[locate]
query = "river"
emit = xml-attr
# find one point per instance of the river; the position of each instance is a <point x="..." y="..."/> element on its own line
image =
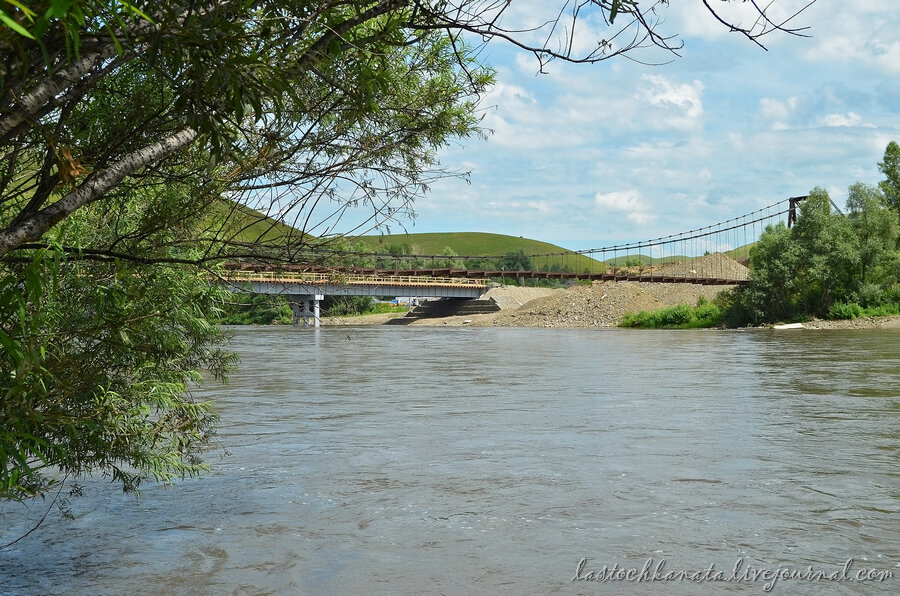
<point x="399" y="460"/>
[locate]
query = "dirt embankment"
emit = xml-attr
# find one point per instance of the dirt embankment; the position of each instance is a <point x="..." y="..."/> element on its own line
<point x="602" y="304"/>
<point x="605" y="304"/>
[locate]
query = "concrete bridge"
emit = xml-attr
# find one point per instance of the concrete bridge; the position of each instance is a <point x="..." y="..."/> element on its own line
<point x="306" y="289"/>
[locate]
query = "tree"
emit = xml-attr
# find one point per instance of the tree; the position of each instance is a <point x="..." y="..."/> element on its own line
<point x="876" y="228"/>
<point x="288" y="104"/>
<point x="337" y="306"/>
<point x="97" y="364"/>
<point x="516" y="260"/>
<point x="829" y="253"/>
<point x="134" y="136"/>
<point x="825" y="260"/>
<point x="772" y="291"/>
<point x="890" y="167"/>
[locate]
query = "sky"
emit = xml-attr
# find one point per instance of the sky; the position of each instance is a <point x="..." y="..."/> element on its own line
<point x="587" y="156"/>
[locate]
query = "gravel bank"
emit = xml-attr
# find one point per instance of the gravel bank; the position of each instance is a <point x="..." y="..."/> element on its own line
<point x="376" y="319"/>
<point x="892" y="322"/>
<point x="605" y="304"/>
<point x="602" y="304"/>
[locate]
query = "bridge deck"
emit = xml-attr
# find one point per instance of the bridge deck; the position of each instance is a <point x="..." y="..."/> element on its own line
<point x="447" y="278"/>
<point x="336" y="278"/>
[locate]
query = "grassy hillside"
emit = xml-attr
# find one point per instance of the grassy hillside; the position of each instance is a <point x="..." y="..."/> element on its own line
<point x="741" y="253"/>
<point x="475" y="244"/>
<point x="246" y="225"/>
<point x="237" y="223"/>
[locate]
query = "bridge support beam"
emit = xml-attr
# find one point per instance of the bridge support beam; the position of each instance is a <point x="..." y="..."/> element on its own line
<point x="306" y="307"/>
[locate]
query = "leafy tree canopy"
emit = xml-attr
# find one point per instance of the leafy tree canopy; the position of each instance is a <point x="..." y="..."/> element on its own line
<point x="136" y="133"/>
<point x="827" y="261"/>
<point x="890" y="167"/>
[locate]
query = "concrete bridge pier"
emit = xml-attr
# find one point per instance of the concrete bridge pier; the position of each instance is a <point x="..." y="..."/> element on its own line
<point x="306" y="307"/>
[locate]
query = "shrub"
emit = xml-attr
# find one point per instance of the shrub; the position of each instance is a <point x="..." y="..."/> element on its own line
<point x="673" y="317"/>
<point x="682" y="316"/>
<point x="337" y="306"/>
<point x="845" y="310"/>
<point x="883" y="310"/>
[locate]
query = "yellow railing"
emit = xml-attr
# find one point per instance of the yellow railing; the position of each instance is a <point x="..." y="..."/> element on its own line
<point x="347" y="279"/>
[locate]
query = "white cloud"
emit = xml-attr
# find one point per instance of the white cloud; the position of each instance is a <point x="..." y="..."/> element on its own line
<point x="680" y="104"/>
<point x="517" y="209"/>
<point x="864" y="36"/>
<point x="727" y="129"/>
<point x="629" y="202"/>
<point x="848" y="119"/>
<point x="517" y="120"/>
<point x="778" y="113"/>
<point x="691" y="20"/>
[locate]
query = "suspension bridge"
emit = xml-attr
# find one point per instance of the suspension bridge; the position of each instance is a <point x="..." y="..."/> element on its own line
<point x="699" y="256"/>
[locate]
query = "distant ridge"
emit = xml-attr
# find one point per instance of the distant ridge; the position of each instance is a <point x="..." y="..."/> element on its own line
<point x="243" y="224"/>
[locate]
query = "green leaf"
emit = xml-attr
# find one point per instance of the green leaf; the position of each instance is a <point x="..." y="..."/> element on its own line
<point x="59" y="8"/>
<point x="12" y="24"/>
<point x="28" y="12"/>
<point x="614" y="10"/>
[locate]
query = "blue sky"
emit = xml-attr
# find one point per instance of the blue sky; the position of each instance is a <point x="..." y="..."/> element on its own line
<point x="593" y="155"/>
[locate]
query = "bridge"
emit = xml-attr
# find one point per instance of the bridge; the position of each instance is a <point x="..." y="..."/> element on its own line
<point x="679" y="258"/>
<point x="305" y="288"/>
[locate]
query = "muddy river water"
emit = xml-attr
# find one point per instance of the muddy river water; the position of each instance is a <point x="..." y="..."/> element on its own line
<point x="398" y="460"/>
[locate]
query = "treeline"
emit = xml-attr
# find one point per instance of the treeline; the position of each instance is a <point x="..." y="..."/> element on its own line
<point x="404" y="256"/>
<point x="830" y="264"/>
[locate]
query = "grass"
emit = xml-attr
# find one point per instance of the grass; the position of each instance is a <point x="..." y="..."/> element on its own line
<point x="852" y="310"/>
<point x="741" y="253"/>
<point x="684" y="316"/>
<point x="237" y="223"/>
<point x="478" y="244"/>
<point x="386" y="307"/>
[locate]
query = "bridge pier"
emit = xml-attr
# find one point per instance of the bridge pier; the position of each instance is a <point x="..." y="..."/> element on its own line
<point x="300" y="305"/>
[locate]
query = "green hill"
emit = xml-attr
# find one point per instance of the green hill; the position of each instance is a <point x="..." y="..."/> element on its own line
<point x="741" y="253"/>
<point x="245" y="225"/>
<point x="233" y="222"/>
<point x="478" y="244"/>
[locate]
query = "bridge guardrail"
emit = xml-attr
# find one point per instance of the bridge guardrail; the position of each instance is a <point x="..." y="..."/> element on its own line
<point x="289" y="277"/>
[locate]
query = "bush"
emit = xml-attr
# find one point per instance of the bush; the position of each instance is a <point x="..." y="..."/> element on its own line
<point x="255" y="309"/>
<point x="337" y="306"/>
<point x="845" y="310"/>
<point x="871" y="295"/>
<point x="673" y="317"/>
<point x="883" y="310"/>
<point x="707" y="315"/>
<point x="683" y="316"/>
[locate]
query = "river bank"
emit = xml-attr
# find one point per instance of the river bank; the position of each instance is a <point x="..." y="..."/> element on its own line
<point x="602" y="304"/>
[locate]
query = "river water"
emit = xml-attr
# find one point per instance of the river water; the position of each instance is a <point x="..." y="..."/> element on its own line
<point x="398" y="460"/>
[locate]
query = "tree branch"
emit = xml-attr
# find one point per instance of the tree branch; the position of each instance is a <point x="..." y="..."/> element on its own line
<point x="35" y="226"/>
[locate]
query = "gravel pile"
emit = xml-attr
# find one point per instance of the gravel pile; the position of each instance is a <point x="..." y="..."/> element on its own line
<point x="512" y="297"/>
<point x="712" y="265"/>
<point x="602" y="304"/>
